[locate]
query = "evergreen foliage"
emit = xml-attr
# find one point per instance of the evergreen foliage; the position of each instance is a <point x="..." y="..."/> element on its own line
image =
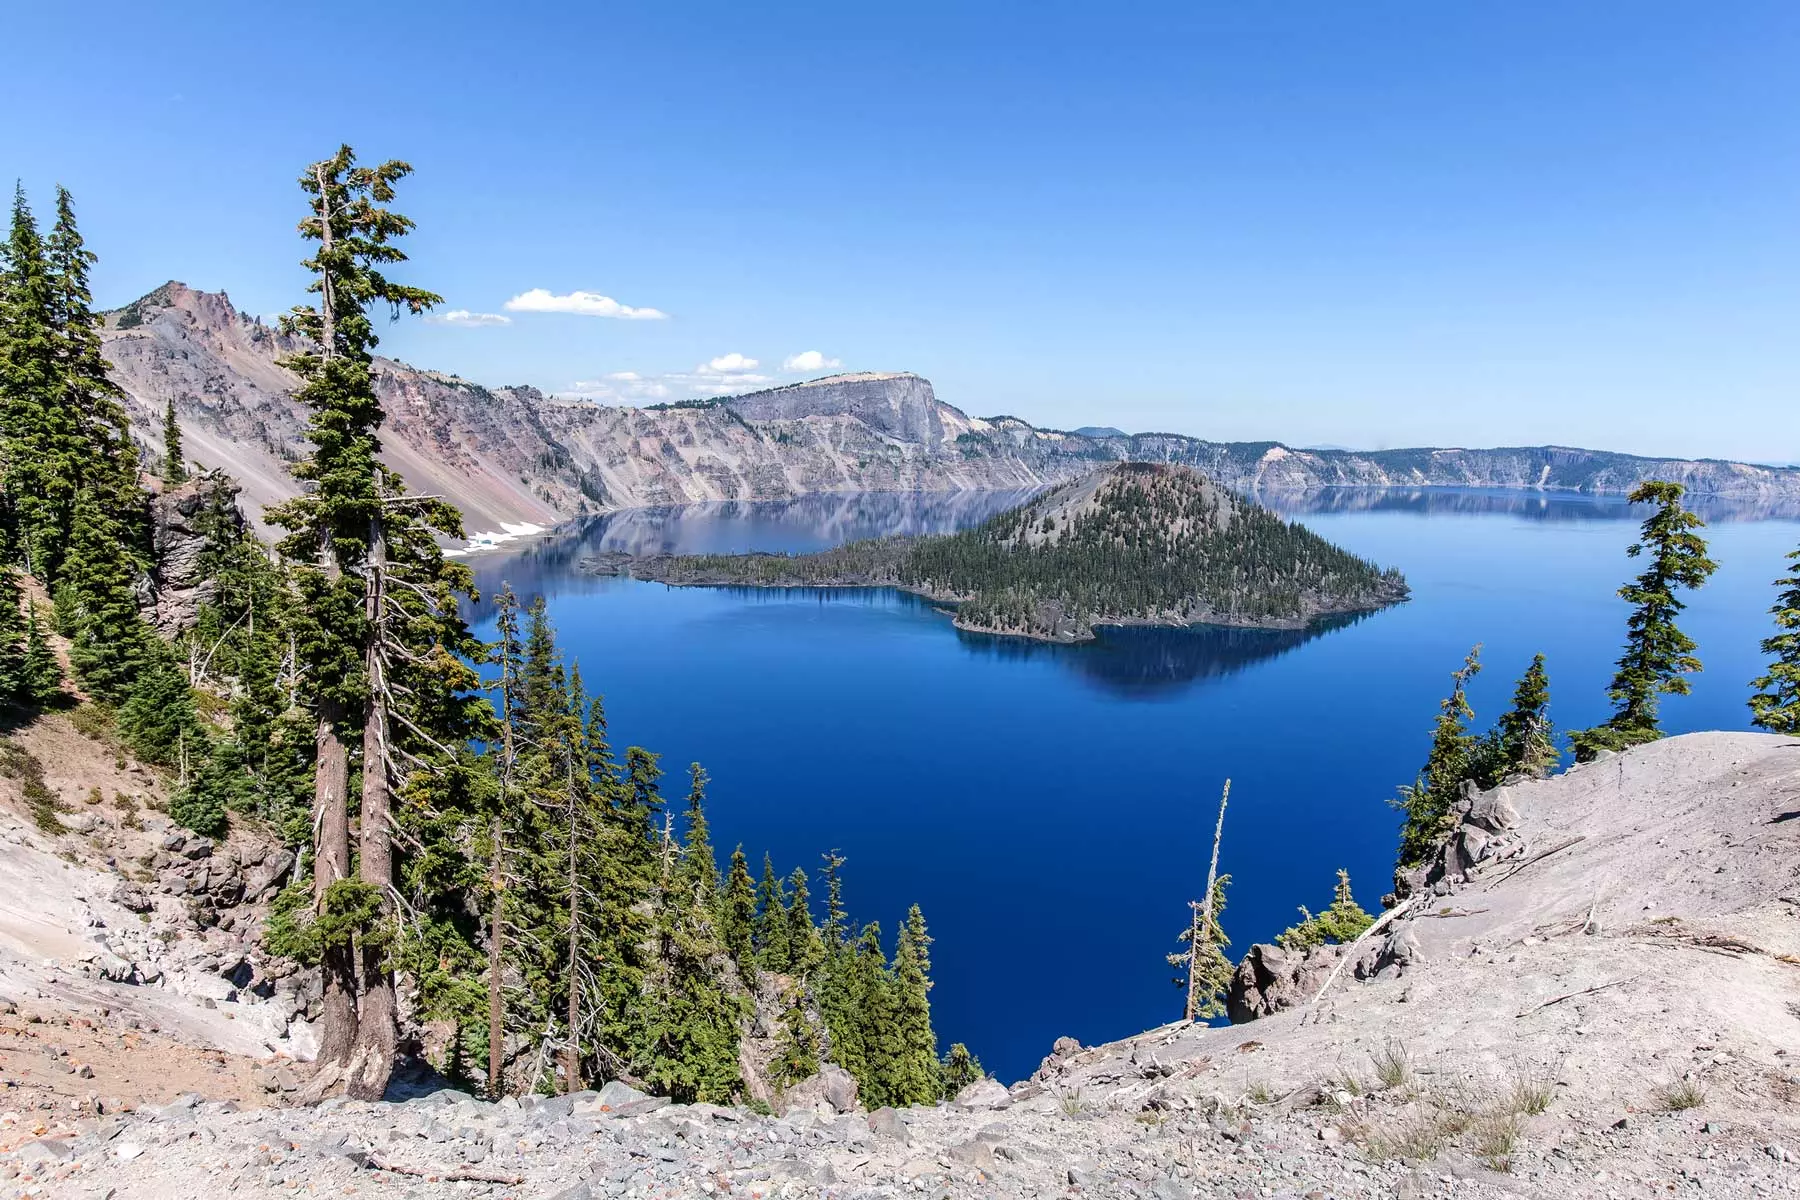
<point x="959" y="1069"/>
<point x="511" y="875"/>
<point x="1212" y="968"/>
<point x="1523" y="742"/>
<point x="1429" y="799"/>
<point x="1776" y="704"/>
<point x="1155" y="543"/>
<point x="174" y="468"/>
<point x="1341" y="922"/>
<point x="1658" y="656"/>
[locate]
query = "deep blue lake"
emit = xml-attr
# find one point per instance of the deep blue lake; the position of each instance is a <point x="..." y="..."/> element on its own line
<point x="1051" y="808"/>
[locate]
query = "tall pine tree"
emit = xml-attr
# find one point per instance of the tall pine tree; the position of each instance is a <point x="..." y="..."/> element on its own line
<point x="1658" y="656"/>
<point x="1776" y="704"/>
<point x="376" y="592"/>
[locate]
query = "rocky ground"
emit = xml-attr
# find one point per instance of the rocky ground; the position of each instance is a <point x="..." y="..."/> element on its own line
<point x="1597" y="996"/>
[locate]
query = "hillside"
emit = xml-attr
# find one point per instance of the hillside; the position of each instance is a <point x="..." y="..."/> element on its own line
<point x="1137" y="543"/>
<point x="515" y="459"/>
<point x="1602" y="1006"/>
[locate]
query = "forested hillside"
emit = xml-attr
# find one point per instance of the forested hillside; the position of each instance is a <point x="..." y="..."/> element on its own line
<point x="1134" y="543"/>
<point x="473" y="861"/>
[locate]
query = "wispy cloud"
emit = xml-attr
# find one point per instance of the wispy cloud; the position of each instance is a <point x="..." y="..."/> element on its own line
<point x="724" y="375"/>
<point x="586" y="304"/>
<point x="809" y="360"/>
<point x="463" y="318"/>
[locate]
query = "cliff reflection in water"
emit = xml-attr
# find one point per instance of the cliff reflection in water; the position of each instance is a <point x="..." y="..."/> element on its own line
<point x="1529" y="504"/>
<point x="1145" y="662"/>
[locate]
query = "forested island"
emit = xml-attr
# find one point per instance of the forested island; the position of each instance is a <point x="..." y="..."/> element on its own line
<point x="1132" y="544"/>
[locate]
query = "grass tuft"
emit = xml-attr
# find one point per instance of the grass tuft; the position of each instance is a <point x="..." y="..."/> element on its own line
<point x="1682" y="1093"/>
<point x="1393" y="1066"/>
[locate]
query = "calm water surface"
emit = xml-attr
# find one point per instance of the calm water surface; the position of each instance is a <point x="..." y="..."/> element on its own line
<point x="1051" y="807"/>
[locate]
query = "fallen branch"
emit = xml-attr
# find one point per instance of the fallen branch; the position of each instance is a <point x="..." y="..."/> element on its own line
<point x="462" y="1174"/>
<point x="1348" y="952"/>
<point x="1601" y="987"/>
<point x="1445" y="914"/>
<point x="1556" y="849"/>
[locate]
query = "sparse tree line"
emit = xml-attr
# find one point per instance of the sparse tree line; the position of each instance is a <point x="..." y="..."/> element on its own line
<point x="1656" y="660"/>
<point x="471" y="852"/>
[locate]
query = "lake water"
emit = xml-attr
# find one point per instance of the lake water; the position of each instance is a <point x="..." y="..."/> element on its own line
<point x="1051" y="808"/>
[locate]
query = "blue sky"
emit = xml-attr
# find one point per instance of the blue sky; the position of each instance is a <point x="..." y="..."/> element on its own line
<point x="1376" y="224"/>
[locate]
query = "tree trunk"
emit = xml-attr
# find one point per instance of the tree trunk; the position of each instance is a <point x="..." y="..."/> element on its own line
<point x="331" y="771"/>
<point x="378" y="1028"/>
<point x="1204" y="927"/>
<point x="331" y="862"/>
<point x="496" y="1002"/>
<point x="572" y="1051"/>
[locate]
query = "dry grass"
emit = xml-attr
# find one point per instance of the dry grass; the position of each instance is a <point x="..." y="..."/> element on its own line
<point x="1530" y="1089"/>
<point x="1393" y="1066"/>
<point x="1681" y="1093"/>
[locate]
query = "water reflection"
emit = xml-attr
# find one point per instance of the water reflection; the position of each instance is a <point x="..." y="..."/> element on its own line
<point x="1527" y="504"/>
<point x="795" y="526"/>
<point x="1152" y="662"/>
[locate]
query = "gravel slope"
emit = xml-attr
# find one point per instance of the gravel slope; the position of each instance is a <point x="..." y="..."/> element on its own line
<point x="1612" y="1016"/>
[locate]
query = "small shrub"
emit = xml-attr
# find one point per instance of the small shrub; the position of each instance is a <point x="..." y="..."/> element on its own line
<point x="1682" y="1093"/>
<point x="1070" y="1102"/>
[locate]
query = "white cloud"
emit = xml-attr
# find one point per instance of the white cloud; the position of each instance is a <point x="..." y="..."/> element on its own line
<point x="463" y="318"/>
<point x="809" y="360"/>
<point x="587" y="304"/>
<point x="725" y="375"/>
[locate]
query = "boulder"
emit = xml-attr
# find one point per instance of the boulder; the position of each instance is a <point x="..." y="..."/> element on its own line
<point x="831" y="1091"/>
<point x="268" y="875"/>
<point x="984" y="1095"/>
<point x="130" y="896"/>
<point x="885" y="1122"/>
<point x="180" y="581"/>
<point x="1271" y="978"/>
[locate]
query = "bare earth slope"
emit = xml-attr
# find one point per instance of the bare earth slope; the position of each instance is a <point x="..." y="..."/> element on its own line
<point x="513" y="457"/>
<point x="1613" y="1016"/>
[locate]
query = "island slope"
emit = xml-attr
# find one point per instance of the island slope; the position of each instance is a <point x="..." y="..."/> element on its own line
<point x="1134" y="543"/>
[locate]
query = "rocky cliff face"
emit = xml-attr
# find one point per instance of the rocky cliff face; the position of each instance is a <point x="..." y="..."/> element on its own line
<point x="512" y="457"/>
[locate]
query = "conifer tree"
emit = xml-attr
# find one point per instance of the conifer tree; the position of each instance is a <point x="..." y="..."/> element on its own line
<point x="690" y="1046"/>
<point x="797" y="1053"/>
<point x="43" y="675"/>
<point x="1428" y="800"/>
<point x="771" y="930"/>
<point x="1210" y="980"/>
<point x="15" y="685"/>
<point x="806" y="950"/>
<point x="1342" y="922"/>
<point x="507" y="654"/>
<point x="877" y="1047"/>
<point x="837" y="923"/>
<point x="174" y="470"/>
<point x="1776" y="704"/>
<point x="699" y="869"/>
<point x="1525" y="741"/>
<point x="376" y="592"/>
<point x="737" y="915"/>
<point x="915" y="1077"/>
<point x="1658" y="656"/>
<point x="100" y="448"/>
<point x="41" y="465"/>
<point x="96" y="604"/>
<point x="959" y="1069"/>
